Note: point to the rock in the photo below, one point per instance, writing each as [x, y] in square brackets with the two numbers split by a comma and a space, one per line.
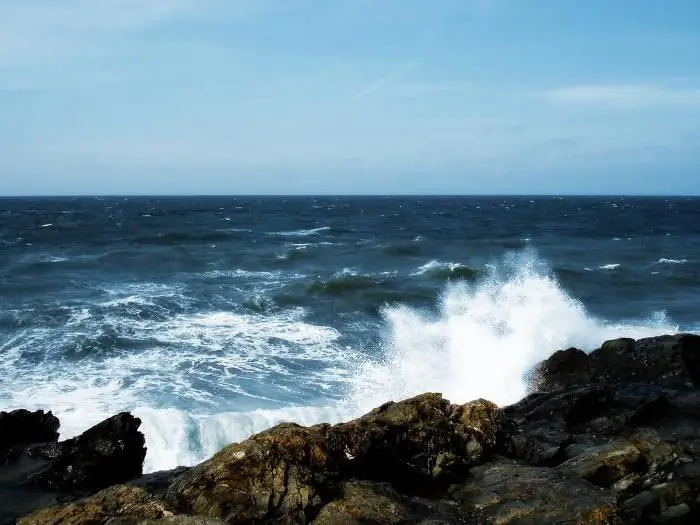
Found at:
[287, 472]
[22, 427]
[371, 502]
[157, 483]
[114, 502]
[562, 369]
[417, 441]
[605, 465]
[611, 437]
[111, 452]
[173, 520]
[282, 474]
[505, 491]
[44, 474]
[669, 360]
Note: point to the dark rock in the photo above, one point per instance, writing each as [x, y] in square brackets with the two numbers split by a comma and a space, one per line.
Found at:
[562, 369]
[669, 360]
[44, 474]
[280, 475]
[111, 452]
[418, 441]
[114, 502]
[22, 427]
[289, 471]
[612, 437]
[371, 502]
[157, 483]
[505, 491]
[605, 465]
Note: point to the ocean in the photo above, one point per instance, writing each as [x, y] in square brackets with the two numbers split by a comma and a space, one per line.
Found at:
[212, 318]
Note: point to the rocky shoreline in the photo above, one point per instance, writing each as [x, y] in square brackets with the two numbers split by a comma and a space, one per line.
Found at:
[610, 437]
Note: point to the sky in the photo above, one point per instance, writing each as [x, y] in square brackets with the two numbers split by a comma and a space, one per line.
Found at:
[349, 96]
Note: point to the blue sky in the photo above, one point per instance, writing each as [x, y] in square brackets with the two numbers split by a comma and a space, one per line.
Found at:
[349, 96]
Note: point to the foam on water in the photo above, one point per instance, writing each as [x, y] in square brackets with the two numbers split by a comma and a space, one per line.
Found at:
[663, 260]
[481, 341]
[486, 337]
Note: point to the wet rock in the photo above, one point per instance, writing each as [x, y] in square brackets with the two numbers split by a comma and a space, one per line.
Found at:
[505, 491]
[418, 441]
[111, 452]
[605, 465]
[371, 502]
[612, 437]
[44, 474]
[280, 475]
[289, 471]
[562, 369]
[132, 503]
[173, 520]
[22, 427]
[157, 483]
[669, 360]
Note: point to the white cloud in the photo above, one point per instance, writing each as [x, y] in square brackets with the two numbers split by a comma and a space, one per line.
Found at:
[630, 96]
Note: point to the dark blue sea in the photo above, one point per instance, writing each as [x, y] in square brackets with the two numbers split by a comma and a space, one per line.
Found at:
[214, 318]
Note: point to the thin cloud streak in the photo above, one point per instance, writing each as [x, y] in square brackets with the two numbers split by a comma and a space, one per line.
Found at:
[381, 82]
[625, 96]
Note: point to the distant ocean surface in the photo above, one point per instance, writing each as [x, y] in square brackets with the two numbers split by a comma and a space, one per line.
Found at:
[214, 318]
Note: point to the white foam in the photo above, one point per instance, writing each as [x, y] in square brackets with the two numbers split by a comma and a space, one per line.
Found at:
[435, 265]
[301, 233]
[190, 381]
[174, 437]
[663, 260]
[609, 266]
[485, 339]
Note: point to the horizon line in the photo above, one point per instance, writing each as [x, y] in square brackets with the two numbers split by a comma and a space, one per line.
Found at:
[345, 195]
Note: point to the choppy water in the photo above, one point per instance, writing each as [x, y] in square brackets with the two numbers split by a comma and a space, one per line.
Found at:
[213, 318]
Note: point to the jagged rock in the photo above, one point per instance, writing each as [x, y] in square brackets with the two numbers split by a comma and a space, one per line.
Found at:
[280, 475]
[612, 437]
[372, 502]
[110, 452]
[669, 360]
[287, 472]
[173, 520]
[44, 474]
[115, 502]
[419, 440]
[605, 465]
[22, 427]
[157, 483]
[505, 492]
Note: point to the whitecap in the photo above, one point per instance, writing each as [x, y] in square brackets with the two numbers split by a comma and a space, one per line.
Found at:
[300, 233]
[663, 260]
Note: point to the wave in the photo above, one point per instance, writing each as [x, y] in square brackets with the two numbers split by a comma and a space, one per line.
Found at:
[486, 337]
[663, 260]
[613, 266]
[300, 233]
[206, 379]
[446, 270]
[399, 248]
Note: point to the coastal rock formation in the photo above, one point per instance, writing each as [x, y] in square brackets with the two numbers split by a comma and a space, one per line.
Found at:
[22, 427]
[48, 471]
[610, 437]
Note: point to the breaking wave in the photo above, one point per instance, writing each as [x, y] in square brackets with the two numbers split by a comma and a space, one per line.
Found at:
[201, 380]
